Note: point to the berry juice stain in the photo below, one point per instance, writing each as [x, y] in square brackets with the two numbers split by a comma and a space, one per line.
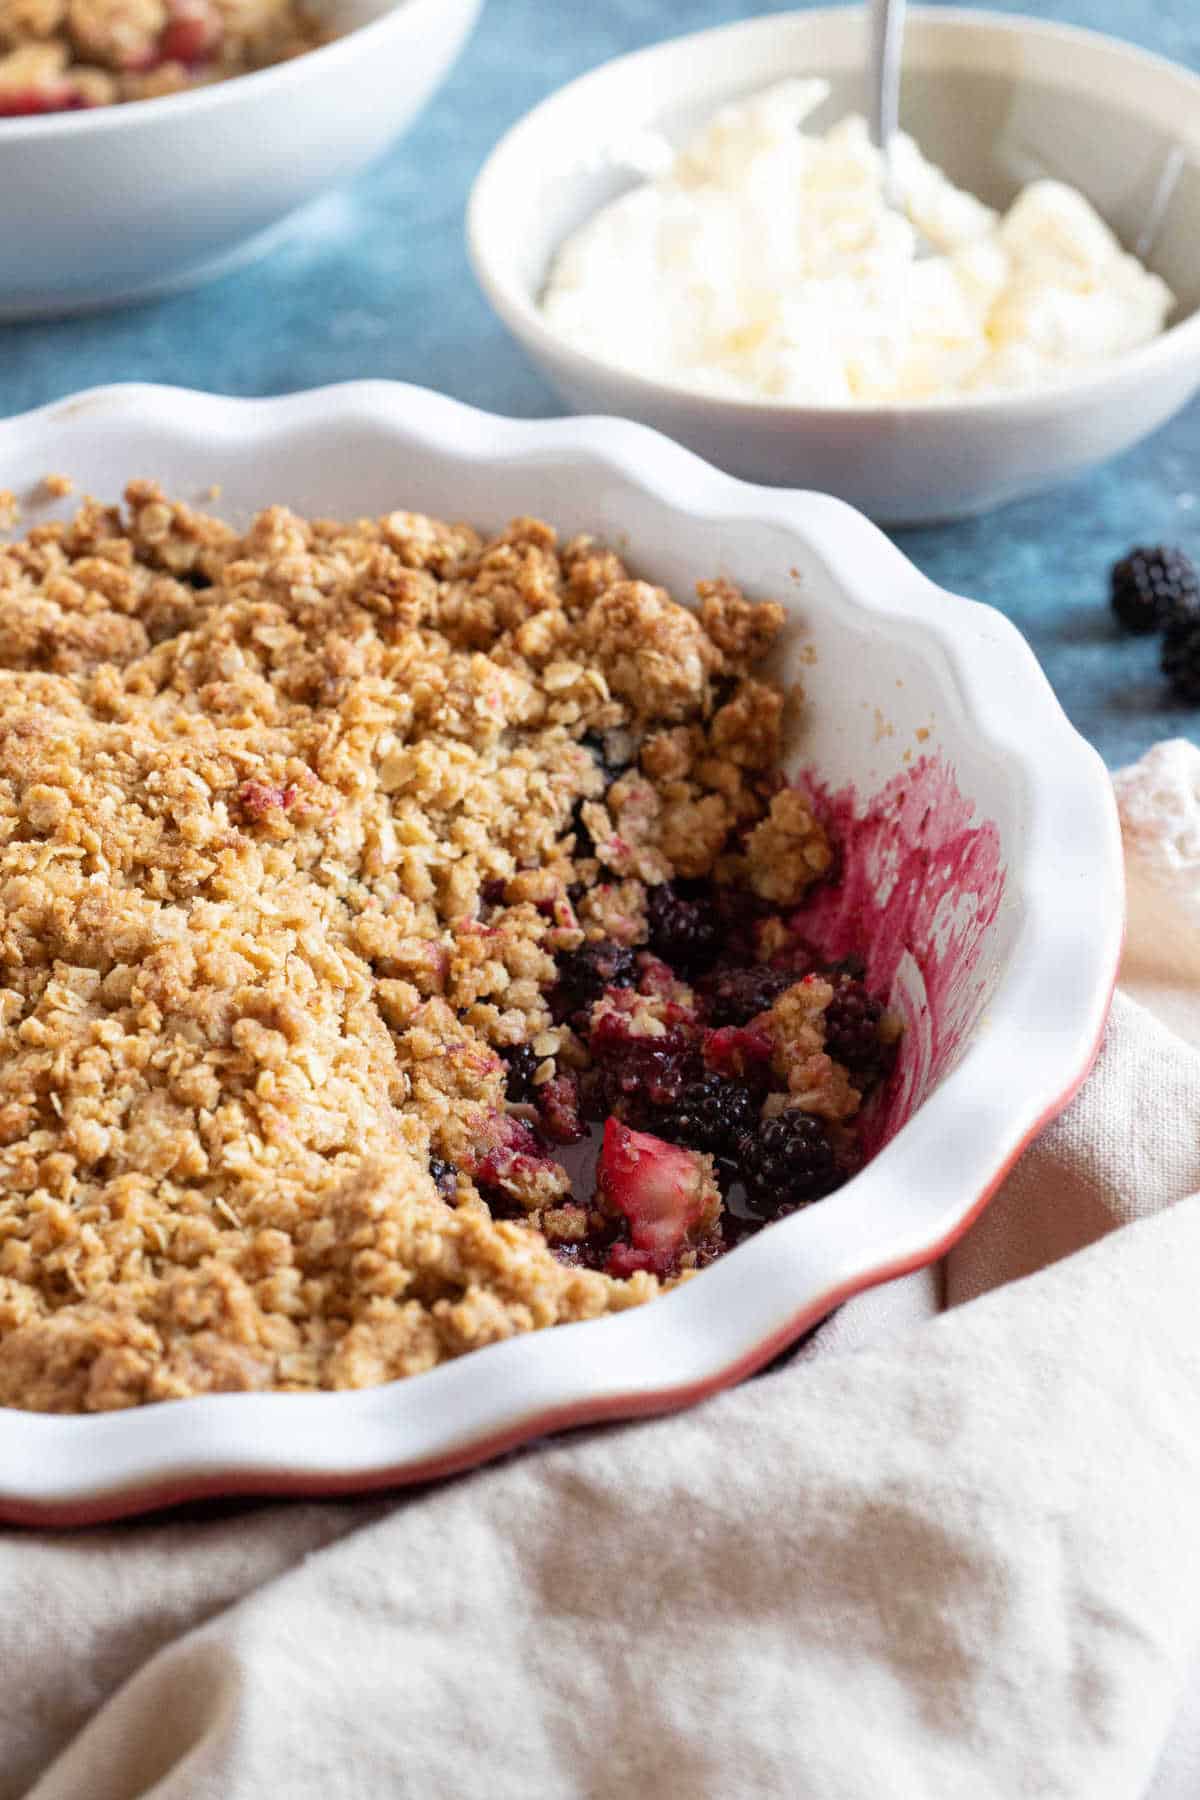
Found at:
[918, 887]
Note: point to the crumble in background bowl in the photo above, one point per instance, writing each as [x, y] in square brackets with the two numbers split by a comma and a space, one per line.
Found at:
[996, 100]
[123, 203]
[983, 855]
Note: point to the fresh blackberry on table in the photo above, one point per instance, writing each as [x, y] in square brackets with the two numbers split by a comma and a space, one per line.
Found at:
[685, 930]
[1151, 587]
[734, 996]
[445, 1177]
[710, 1114]
[584, 974]
[1181, 658]
[787, 1162]
[852, 1032]
[523, 1062]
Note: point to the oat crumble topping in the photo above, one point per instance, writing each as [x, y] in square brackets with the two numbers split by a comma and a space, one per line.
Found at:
[339, 867]
[65, 55]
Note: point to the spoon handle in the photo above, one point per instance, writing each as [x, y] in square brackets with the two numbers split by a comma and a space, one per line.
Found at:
[887, 36]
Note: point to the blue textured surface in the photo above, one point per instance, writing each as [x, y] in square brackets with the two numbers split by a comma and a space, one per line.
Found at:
[376, 283]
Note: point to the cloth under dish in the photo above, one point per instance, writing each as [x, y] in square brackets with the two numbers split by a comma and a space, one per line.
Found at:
[928, 1557]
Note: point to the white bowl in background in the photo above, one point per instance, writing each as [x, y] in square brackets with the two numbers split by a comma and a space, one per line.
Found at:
[981, 846]
[121, 203]
[996, 100]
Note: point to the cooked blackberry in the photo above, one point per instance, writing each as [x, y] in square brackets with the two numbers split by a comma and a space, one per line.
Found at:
[710, 1114]
[1151, 587]
[638, 1078]
[445, 1177]
[1181, 658]
[523, 1063]
[734, 996]
[852, 1032]
[684, 928]
[644, 1084]
[787, 1162]
[584, 974]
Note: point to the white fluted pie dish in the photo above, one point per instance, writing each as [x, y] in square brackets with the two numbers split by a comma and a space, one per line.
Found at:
[982, 869]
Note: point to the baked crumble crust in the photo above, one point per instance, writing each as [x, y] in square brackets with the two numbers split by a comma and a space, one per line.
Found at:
[298, 830]
[63, 55]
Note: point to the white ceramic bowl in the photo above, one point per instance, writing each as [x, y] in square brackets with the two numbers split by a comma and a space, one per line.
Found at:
[124, 202]
[996, 100]
[982, 852]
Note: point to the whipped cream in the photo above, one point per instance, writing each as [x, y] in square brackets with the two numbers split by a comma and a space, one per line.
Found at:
[1159, 803]
[763, 262]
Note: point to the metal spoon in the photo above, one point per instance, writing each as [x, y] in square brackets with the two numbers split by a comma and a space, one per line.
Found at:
[887, 43]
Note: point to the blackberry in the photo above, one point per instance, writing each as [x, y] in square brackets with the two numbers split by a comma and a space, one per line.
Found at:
[734, 996]
[644, 1083]
[1151, 587]
[684, 928]
[445, 1177]
[852, 1032]
[710, 1114]
[584, 974]
[1181, 658]
[787, 1162]
[523, 1063]
[639, 1078]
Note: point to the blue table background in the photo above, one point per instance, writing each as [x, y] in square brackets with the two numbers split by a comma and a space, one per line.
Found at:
[376, 282]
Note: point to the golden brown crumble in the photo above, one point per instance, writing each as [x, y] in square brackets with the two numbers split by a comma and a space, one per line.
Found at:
[61, 55]
[292, 829]
[796, 1026]
[787, 850]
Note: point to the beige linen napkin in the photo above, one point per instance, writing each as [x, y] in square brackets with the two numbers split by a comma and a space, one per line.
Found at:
[928, 1557]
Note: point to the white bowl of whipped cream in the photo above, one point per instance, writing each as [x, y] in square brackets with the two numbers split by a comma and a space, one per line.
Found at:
[697, 236]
